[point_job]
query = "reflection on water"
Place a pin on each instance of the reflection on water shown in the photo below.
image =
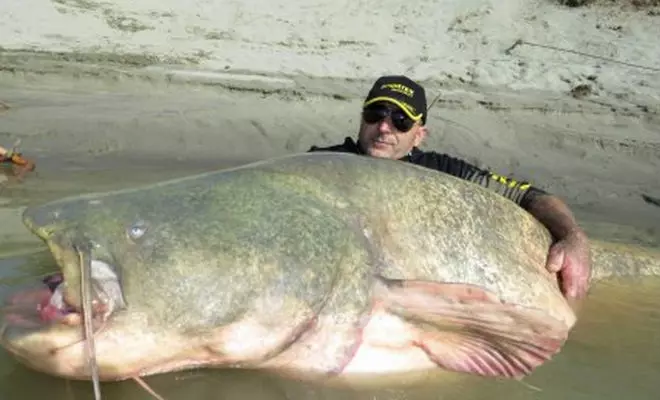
(613, 352)
(57, 178)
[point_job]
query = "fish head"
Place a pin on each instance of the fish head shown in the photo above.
(163, 278)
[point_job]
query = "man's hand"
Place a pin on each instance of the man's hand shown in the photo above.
(570, 254)
(570, 258)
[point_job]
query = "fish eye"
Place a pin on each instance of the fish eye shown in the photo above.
(137, 230)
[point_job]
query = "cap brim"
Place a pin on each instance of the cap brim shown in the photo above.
(396, 102)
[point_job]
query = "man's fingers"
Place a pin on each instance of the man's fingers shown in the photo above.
(581, 284)
(555, 258)
(571, 262)
(574, 280)
(570, 285)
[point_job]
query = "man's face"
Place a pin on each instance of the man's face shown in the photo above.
(387, 132)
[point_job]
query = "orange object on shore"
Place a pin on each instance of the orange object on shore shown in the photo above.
(16, 159)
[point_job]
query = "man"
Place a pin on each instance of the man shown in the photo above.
(393, 126)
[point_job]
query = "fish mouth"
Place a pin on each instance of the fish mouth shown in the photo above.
(43, 326)
(57, 300)
(47, 326)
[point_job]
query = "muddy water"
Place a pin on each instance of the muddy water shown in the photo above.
(613, 352)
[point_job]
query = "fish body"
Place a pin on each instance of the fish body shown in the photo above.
(315, 264)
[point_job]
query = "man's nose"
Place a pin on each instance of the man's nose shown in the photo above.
(385, 126)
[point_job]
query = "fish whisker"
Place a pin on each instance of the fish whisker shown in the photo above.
(88, 327)
(148, 388)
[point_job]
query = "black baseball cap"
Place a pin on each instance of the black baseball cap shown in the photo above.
(401, 91)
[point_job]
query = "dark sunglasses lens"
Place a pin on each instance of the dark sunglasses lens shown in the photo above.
(373, 115)
(401, 121)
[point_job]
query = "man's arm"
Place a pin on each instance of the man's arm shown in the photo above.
(569, 255)
(520, 192)
(554, 214)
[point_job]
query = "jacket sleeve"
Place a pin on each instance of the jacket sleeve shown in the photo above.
(520, 192)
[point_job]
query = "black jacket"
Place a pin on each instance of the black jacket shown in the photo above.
(519, 192)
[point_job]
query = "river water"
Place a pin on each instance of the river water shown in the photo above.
(614, 351)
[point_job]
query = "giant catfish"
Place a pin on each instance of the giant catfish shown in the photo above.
(311, 265)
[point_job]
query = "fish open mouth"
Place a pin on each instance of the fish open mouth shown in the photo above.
(79, 298)
(50, 302)
(55, 308)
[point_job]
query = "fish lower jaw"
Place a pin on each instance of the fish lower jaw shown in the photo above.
(62, 352)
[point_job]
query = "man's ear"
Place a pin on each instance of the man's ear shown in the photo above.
(420, 135)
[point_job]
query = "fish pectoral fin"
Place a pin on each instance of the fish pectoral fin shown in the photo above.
(481, 354)
(465, 328)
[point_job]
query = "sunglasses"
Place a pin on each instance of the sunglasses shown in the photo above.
(373, 114)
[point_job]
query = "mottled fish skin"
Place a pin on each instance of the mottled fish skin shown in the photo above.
(240, 266)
